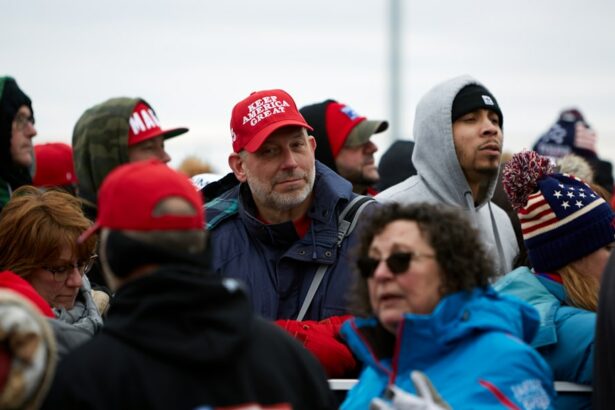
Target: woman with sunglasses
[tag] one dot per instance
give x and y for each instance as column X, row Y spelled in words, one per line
column 424, row 294
column 38, row 241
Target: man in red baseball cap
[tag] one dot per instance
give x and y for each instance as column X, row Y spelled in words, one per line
column 344, row 142
column 115, row 132
column 278, row 230
column 112, row 133
column 186, row 338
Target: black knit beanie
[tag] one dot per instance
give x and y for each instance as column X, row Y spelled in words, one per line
column 315, row 116
column 11, row 99
column 472, row 97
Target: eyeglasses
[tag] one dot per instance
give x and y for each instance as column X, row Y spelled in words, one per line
column 397, row 263
column 21, row 121
column 60, row 273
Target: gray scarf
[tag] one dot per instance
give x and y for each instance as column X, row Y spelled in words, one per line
column 84, row 315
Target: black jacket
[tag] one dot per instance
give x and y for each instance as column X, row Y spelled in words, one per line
column 180, row 339
column 604, row 361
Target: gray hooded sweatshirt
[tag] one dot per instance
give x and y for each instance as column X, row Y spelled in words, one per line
column 440, row 178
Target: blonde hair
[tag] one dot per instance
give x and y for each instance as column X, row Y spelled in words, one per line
column 581, row 290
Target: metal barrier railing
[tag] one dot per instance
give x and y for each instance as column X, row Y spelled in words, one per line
column 560, row 387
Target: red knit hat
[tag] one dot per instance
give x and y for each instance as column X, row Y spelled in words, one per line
column 260, row 114
column 130, row 193
column 54, row 165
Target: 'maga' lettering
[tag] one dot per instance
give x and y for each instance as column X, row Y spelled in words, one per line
column 143, row 120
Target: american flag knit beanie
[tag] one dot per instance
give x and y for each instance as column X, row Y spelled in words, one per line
column 562, row 218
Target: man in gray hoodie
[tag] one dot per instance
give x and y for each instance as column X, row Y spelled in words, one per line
column 458, row 145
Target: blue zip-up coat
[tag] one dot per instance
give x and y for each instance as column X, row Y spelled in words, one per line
column 276, row 265
column 472, row 348
column 566, row 334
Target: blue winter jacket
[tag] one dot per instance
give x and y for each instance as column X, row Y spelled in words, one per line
column 276, row 265
column 566, row 334
column 471, row 347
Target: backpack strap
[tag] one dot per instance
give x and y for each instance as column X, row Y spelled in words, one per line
column 349, row 216
column 346, row 224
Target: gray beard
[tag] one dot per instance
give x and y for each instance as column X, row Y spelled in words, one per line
column 276, row 200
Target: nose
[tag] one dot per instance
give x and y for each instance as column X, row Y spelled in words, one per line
column 382, row 272
column 74, row 280
column 488, row 127
column 289, row 160
column 163, row 156
column 370, row 147
column 30, row 130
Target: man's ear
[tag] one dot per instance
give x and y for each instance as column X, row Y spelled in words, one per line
column 237, row 165
column 312, row 141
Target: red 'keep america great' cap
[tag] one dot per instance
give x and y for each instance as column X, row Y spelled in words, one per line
column 260, row 114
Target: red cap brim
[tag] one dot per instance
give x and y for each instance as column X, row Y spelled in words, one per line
column 165, row 134
column 89, row 232
column 259, row 138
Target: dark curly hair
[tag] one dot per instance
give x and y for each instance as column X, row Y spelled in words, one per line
column 456, row 243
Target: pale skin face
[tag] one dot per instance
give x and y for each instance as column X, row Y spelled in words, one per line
column 417, row 290
column 152, row 148
column 58, row 294
column 593, row 264
column 478, row 143
column 280, row 174
column 22, row 132
column 358, row 166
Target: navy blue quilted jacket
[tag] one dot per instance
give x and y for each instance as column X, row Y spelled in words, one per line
column 276, row 265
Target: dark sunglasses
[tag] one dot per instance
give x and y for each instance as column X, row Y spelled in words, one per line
column 397, row 263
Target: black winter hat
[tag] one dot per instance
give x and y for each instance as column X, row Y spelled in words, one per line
column 472, row 97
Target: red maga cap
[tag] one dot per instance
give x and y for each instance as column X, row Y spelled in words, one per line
column 260, row 114
column 130, row 193
column 144, row 125
column 54, row 165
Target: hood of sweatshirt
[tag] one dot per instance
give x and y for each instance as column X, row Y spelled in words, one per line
column 11, row 99
column 100, row 143
column 182, row 314
column 434, row 155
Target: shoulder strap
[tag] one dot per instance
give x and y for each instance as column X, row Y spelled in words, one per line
column 346, row 223
column 349, row 216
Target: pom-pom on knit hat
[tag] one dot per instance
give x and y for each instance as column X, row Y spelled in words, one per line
column 562, row 218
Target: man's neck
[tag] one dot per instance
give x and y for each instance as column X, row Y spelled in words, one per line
column 144, row 270
column 479, row 190
column 360, row 188
column 275, row 216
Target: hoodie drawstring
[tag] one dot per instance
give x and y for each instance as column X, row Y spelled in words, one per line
column 501, row 259
column 498, row 242
column 470, row 205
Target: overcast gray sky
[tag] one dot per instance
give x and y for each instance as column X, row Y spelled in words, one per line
column 192, row 60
